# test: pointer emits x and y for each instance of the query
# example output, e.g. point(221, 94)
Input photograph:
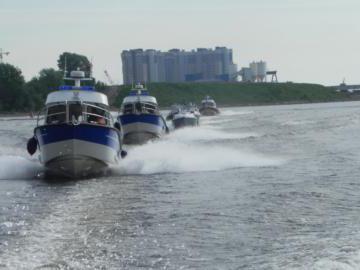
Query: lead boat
point(208, 107)
point(75, 133)
point(140, 117)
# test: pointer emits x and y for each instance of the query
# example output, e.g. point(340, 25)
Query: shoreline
point(114, 109)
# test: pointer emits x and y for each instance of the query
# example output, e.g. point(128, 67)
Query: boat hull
point(181, 122)
point(140, 128)
point(77, 151)
point(75, 166)
point(209, 111)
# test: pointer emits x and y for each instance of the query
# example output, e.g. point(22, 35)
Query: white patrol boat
point(140, 117)
point(208, 107)
point(75, 134)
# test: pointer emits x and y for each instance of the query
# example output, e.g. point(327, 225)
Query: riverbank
point(228, 94)
point(238, 94)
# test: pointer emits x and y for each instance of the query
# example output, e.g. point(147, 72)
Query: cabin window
point(56, 114)
point(138, 107)
point(75, 112)
point(97, 116)
point(209, 104)
point(128, 108)
point(150, 108)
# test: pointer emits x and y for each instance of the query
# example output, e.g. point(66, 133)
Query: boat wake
point(205, 134)
point(185, 150)
point(18, 167)
point(229, 112)
point(182, 151)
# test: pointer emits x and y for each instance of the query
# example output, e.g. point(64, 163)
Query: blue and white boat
point(75, 134)
point(140, 117)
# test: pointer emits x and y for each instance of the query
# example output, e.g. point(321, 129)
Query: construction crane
point(2, 53)
point(108, 77)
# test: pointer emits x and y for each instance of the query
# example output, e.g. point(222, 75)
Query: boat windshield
point(76, 113)
point(209, 103)
point(140, 107)
point(56, 114)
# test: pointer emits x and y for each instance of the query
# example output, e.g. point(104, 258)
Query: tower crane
point(2, 53)
point(108, 77)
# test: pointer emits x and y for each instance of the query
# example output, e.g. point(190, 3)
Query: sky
point(315, 41)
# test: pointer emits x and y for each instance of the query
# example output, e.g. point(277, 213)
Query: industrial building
point(178, 65)
point(257, 72)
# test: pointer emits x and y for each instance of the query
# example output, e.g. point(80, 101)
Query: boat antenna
point(65, 71)
point(91, 67)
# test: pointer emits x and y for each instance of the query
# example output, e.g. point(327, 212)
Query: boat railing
point(106, 116)
point(149, 107)
point(43, 115)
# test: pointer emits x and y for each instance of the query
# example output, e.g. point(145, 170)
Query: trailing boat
point(75, 133)
point(174, 109)
point(140, 117)
point(208, 107)
point(187, 116)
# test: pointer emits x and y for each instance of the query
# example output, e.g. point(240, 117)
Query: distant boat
point(140, 117)
point(208, 107)
point(174, 109)
point(75, 133)
point(187, 116)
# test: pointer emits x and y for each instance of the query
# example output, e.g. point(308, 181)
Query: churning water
point(273, 187)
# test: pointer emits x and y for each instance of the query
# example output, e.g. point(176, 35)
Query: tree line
point(17, 95)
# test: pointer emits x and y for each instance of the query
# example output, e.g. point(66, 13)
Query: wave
point(205, 134)
point(179, 157)
point(17, 167)
point(228, 112)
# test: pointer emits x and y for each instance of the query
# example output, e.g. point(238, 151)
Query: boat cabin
point(208, 102)
point(76, 106)
point(139, 102)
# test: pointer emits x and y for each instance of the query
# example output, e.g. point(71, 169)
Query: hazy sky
point(305, 40)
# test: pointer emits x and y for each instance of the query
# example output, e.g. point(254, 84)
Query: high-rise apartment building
point(178, 65)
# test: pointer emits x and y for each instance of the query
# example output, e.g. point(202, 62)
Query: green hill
point(234, 94)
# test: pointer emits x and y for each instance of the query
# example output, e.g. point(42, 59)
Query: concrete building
point(257, 72)
point(178, 65)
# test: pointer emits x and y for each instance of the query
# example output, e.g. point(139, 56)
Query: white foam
point(228, 112)
point(17, 167)
point(204, 134)
point(171, 156)
point(298, 122)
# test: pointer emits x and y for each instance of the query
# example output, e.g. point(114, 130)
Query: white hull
point(141, 132)
point(77, 158)
point(185, 120)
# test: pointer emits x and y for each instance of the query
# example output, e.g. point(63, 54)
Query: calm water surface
point(273, 187)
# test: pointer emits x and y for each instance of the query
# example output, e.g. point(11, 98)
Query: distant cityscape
point(178, 65)
point(197, 65)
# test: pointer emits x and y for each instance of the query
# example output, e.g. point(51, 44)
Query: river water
point(273, 187)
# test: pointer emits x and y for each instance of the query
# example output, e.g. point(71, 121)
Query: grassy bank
point(237, 94)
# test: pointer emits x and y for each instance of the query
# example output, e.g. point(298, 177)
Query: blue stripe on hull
point(96, 134)
point(143, 118)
